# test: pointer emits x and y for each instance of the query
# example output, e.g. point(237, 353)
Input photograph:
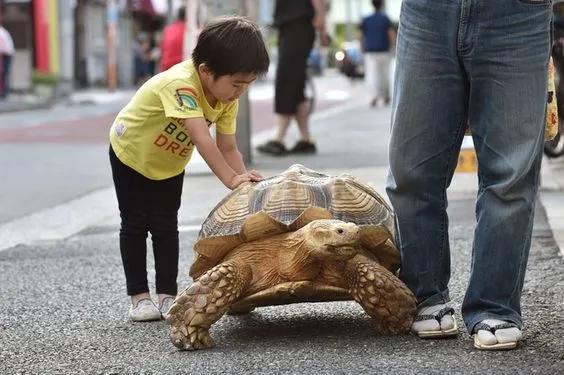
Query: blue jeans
point(482, 63)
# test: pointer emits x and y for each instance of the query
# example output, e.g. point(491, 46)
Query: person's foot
point(144, 310)
point(435, 321)
point(273, 147)
point(165, 304)
point(494, 334)
point(304, 147)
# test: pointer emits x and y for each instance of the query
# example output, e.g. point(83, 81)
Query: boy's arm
point(227, 144)
point(199, 134)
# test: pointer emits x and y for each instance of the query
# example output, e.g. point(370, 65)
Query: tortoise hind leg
point(204, 302)
point(382, 295)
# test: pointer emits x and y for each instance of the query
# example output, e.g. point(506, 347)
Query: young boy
point(152, 140)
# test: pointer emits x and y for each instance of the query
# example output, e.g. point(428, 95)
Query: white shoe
point(165, 305)
point(144, 311)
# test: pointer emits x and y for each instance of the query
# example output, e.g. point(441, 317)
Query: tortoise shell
point(289, 201)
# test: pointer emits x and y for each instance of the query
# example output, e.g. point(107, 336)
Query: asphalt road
point(63, 310)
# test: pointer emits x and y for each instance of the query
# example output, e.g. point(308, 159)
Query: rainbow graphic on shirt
point(188, 97)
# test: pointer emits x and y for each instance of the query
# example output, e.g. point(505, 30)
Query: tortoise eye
point(340, 231)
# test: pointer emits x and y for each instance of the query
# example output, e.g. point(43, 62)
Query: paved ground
point(62, 302)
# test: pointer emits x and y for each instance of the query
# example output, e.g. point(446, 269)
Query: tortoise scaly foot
point(203, 303)
point(382, 295)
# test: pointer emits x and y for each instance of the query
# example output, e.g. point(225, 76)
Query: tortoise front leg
point(382, 295)
point(204, 302)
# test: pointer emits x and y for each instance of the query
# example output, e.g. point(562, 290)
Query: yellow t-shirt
point(146, 135)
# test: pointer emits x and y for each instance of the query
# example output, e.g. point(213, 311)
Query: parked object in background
point(301, 236)
point(349, 61)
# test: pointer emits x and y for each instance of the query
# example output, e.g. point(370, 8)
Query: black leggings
point(295, 41)
point(147, 205)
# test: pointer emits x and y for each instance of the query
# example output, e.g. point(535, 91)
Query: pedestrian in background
point(482, 63)
point(296, 21)
point(141, 57)
point(377, 36)
point(172, 42)
point(6, 54)
point(154, 55)
point(152, 140)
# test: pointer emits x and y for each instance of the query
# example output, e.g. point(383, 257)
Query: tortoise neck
point(296, 262)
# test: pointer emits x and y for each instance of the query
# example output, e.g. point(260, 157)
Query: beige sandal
point(478, 344)
point(448, 333)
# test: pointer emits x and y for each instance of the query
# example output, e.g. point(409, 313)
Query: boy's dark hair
point(378, 4)
point(231, 45)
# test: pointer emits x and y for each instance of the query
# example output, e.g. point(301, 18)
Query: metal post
point(112, 15)
point(244, 128)
point(244, 114)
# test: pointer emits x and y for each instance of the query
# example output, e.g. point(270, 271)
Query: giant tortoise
point(301, 236)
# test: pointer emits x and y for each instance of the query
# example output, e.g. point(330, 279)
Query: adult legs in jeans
point(454, 71)
point(507, 108)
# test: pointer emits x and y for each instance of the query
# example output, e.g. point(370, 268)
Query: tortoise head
point(331, 239)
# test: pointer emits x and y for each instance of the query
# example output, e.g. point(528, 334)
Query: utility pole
point(169, 12)
point(191, 31)
point(348, 27)
point(66, 25)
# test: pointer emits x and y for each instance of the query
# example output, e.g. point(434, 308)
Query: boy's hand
point(242, 178)
point(255, 175)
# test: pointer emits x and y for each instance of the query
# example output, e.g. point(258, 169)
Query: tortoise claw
point(199, 339)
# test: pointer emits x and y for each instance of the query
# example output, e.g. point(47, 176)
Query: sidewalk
point(16, 103)
point(28, 102)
